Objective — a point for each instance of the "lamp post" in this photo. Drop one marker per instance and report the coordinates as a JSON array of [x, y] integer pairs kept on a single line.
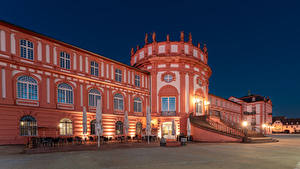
[[207, 104], [263, 128], [245, 125]]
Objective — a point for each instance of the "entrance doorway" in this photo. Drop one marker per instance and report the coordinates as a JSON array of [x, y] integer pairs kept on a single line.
[[167, 130]]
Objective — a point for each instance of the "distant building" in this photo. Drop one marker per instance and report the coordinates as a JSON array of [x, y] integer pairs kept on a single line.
[[257, 110], [282, 124]]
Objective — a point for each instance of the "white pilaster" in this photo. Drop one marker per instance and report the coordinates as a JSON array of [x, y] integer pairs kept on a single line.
[[13, 43], [187, 96], [80, 63], [47, 54], [48, 90], [81, 95], [54, 56], [112, 72], [128, 103], [107, 101], [102, 69], [39, 51], [2, 40], [74, 61], [3, 83], [107, 71], [86, 64]]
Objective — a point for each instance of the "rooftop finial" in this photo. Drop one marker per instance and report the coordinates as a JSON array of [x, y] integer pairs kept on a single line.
[[182, 36], [204, 48], [146, 39], [198, 45], [154, 37], [137, 47], [168, 38], [190, 37], [249, 92], [132, 52]]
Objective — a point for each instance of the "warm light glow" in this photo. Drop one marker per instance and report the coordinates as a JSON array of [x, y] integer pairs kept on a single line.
[[264, 126], [22, 123], [244, 123], [206, 103], [196, 100], [60, 125]]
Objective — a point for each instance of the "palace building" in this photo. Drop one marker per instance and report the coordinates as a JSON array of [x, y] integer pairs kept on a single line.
[[283, 124], [46, 83]]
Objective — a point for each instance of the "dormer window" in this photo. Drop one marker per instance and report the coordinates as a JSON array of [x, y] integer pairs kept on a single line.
[[162, 49]]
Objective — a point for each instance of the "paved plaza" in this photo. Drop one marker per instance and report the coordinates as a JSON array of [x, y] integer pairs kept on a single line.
[[282, 155]]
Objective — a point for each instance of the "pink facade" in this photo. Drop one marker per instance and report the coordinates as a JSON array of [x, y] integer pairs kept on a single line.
[[51, 82]]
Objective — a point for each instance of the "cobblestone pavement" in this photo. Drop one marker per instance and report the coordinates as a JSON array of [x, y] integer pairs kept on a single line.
[[282, 155]]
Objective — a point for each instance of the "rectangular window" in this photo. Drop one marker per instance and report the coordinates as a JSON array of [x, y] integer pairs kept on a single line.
[[65, 60], [118, 75], [94, 68], [26, 49], [198, 108], [168, 104], [137, 80]]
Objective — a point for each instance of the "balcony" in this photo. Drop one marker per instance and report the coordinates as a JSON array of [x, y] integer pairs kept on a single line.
[[249, 113], [168, 113]]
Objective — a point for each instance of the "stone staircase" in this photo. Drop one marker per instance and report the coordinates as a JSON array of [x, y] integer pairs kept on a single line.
[[204, 122], [261, 140]]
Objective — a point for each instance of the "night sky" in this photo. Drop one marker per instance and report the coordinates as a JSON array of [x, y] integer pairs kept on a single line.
[[252, 45]]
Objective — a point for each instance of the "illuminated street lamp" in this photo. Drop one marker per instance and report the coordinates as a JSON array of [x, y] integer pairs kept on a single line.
[[245, 124], [263, 128], [206, 104]]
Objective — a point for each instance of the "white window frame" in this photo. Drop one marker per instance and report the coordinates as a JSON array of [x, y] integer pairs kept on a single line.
[[118, 75], [118, 102], [92, 96], [168, 101], [94, 68], [65, 60], [68, 94], [137, 80], [65, 127], [137, 104], [26, 49], [24, 85]]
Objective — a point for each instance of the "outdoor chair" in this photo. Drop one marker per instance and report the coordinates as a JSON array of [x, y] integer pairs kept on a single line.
[[70, 140], [91, 139], [56, 142]]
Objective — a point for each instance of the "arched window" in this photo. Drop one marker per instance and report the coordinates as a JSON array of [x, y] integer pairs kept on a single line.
[[119, 128], [65, 94], [28, 126], [93, 127], [26, 49], [94, 95], [118, 102], [65, 127], [137, 105], [27, 88], [139, 128]]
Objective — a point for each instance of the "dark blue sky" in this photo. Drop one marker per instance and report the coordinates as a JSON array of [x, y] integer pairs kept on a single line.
[[252, 45]]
